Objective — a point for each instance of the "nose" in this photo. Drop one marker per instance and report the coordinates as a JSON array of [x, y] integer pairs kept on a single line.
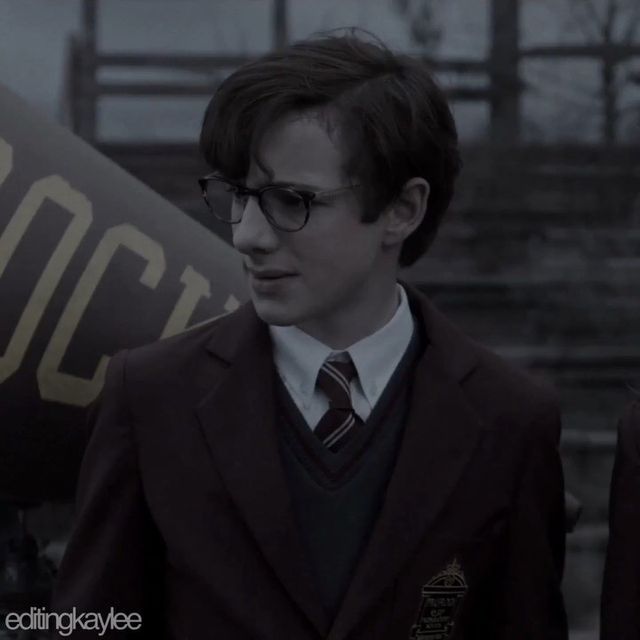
[[253, 233]]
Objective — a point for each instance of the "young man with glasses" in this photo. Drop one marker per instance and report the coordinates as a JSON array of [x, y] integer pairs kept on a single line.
[[334, 459]]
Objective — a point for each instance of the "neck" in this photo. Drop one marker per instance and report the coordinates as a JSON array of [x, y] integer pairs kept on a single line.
[[353, 324]]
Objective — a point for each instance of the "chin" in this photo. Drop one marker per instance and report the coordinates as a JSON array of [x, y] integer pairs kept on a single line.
[[276, 314]]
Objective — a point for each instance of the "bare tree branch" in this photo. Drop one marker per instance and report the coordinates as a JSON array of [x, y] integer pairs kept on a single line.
[[421, 21], [597, 20], [609, 21], [633, 24], [629, 108], [401, 5], [552, 84], [611, 28], [588, 29]]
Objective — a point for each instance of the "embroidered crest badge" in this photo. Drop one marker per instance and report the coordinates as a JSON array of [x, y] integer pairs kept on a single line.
[[441, 597]]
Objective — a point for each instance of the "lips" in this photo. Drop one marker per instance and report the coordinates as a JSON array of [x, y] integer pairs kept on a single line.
[[268, 282], [269, 274]]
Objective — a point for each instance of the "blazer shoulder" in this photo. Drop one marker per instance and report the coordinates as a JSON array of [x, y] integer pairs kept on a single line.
[[174, 354], [631, 417], [512, 397], [517, 380], [485, 375]]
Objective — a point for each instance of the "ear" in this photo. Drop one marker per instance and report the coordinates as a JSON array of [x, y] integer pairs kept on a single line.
[[407, 211]]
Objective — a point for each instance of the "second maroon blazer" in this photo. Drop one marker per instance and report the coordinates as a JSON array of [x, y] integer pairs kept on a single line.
[[621, 585]]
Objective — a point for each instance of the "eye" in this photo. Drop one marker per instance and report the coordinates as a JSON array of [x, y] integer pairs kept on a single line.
[[287, 198], [239, 193]]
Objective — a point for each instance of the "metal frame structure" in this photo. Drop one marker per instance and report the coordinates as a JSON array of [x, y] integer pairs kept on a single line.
[[502, 90]]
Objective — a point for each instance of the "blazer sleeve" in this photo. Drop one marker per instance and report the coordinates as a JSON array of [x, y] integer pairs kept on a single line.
[[531, 599], [113, 560], [621, 584]]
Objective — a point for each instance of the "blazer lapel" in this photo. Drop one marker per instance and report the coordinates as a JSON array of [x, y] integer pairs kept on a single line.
[[238, 420], [441, 434]]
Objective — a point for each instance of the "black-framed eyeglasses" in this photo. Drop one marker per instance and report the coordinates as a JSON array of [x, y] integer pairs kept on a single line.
[[284, 207]]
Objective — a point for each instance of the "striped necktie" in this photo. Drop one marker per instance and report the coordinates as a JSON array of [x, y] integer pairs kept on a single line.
[[339, 423]]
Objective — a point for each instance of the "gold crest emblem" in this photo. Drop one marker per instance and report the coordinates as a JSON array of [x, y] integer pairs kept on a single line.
[[441, 597]]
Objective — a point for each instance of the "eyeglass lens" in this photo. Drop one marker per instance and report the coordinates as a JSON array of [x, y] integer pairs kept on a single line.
[[283, 207]]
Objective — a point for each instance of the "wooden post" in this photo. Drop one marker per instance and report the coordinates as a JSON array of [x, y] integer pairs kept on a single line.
[[280, 26], [88, 79], [504, 76], [608, 75]]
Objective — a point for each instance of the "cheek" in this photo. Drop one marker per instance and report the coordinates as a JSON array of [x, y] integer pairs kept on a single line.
[[337, 267], [314, 252], [335, 252]]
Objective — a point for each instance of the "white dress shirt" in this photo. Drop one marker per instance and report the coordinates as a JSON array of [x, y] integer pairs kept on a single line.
[[298, 358]]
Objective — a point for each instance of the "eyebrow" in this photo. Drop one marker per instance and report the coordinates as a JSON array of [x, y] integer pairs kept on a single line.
[[293, 184], [269, 172], [297, 185]]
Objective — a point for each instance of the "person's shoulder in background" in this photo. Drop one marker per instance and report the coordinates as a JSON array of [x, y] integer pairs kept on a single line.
[[629, 430], [621, 583]]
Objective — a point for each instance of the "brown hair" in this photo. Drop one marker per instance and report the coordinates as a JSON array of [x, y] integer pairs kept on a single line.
[[394, 120]]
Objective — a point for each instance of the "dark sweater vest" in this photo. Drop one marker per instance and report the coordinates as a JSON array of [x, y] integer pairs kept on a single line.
[[337, 496]]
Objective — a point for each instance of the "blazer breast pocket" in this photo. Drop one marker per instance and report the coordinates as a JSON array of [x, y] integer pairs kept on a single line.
[[446, 576]]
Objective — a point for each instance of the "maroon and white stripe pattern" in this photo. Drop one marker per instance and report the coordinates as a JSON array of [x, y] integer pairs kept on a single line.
[[338, 434], [336, 425]]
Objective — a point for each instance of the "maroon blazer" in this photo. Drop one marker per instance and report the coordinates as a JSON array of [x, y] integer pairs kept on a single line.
[[621, 585], [183, 511]]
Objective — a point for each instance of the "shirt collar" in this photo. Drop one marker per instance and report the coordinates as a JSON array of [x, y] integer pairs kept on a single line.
[[377, 355], [298, 356]]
